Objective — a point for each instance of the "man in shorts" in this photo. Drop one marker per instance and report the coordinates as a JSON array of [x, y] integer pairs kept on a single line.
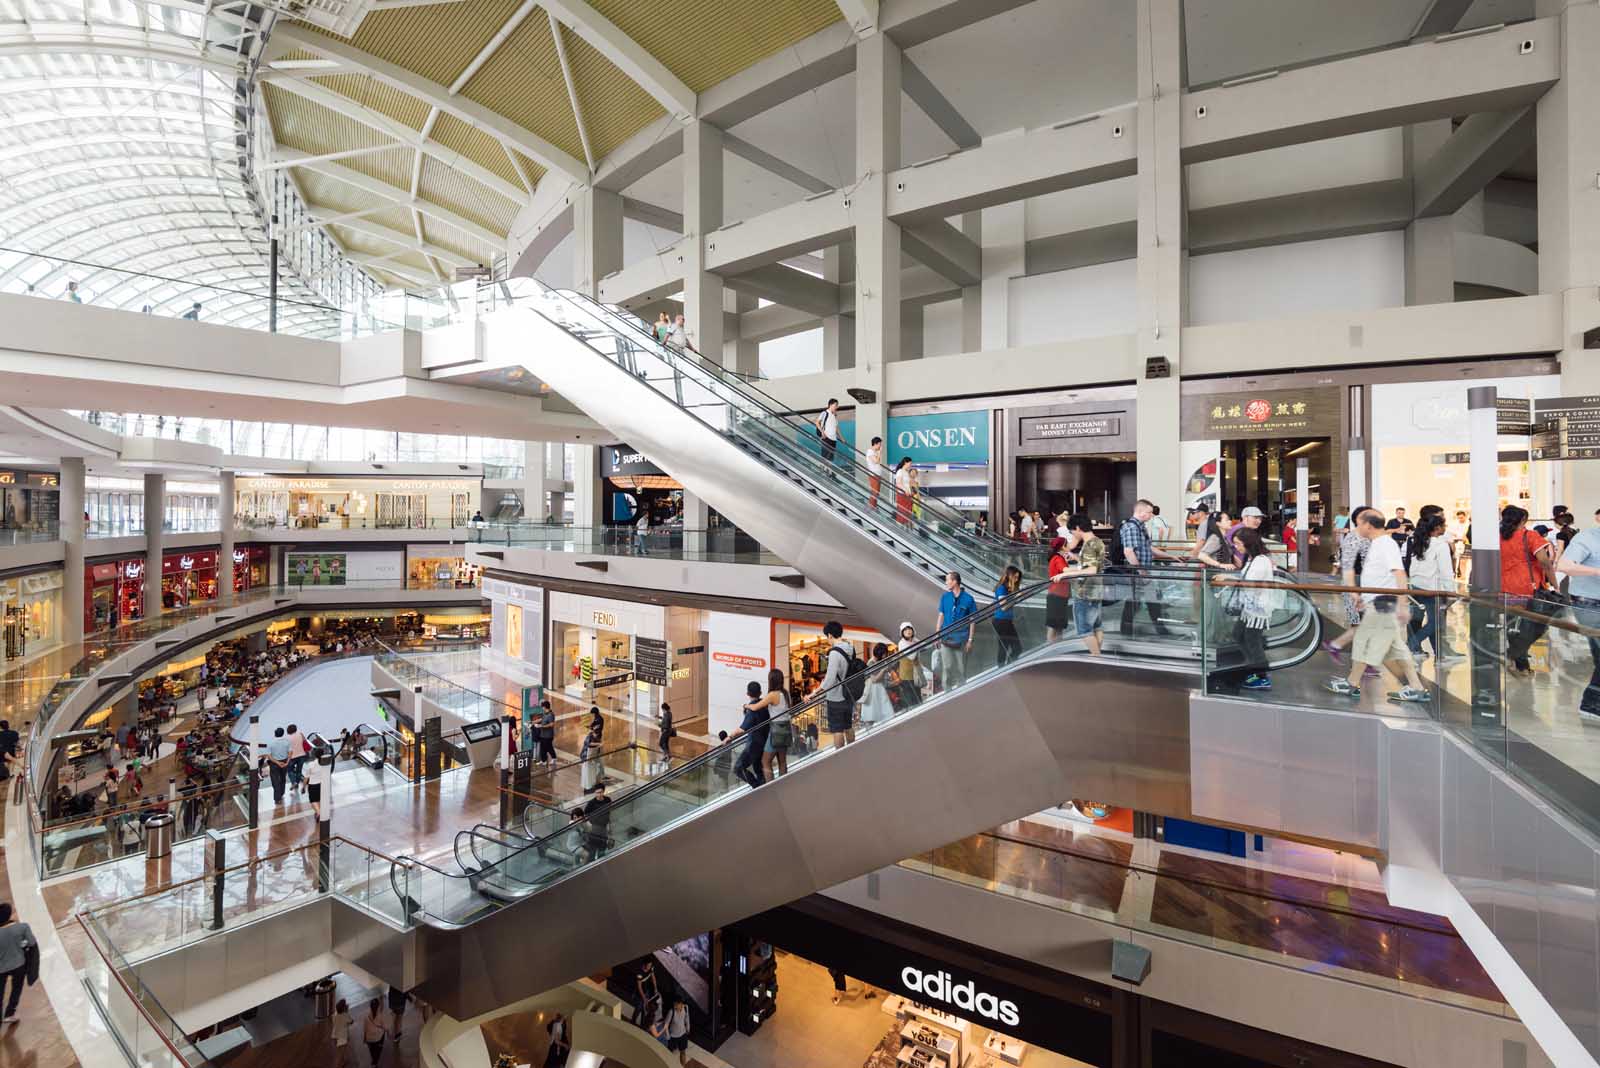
[[1380, 637]]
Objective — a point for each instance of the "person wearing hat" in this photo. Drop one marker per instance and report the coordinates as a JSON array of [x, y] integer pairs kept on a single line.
[[1249, 519]]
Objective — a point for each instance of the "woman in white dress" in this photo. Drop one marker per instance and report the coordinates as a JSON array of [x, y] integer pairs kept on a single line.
[[875, 704]]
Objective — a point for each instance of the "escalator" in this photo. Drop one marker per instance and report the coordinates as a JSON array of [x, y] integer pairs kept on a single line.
[[536, 905], [753, 461]]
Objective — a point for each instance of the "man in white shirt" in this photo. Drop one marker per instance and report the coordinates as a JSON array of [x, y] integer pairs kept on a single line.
[[1029, 527], [828, 429], [678, 336], [1379, 637]]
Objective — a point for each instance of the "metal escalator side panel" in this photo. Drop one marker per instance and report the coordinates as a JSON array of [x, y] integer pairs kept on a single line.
[[879, 584], [1020, 740]]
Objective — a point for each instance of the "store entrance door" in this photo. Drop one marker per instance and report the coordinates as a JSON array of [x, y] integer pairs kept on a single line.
[[1262, 473], [1103, 487]]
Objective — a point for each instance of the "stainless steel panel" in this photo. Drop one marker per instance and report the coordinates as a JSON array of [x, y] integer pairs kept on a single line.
[[1411, 785], [1236, 761], [1569, 930], [1514, 832]]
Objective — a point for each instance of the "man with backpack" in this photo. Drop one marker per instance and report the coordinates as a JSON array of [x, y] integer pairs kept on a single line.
[[955, 605], [843, 685]]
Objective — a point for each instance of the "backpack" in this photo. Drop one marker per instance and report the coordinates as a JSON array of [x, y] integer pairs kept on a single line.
[[855, 680]]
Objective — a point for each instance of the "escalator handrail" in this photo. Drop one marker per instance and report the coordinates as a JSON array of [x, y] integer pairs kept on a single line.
[[986, 539], [715, 378], [723, 751]]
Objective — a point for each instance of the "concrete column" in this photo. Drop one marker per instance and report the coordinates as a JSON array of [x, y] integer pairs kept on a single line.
[[72, 535], [1569, 213], [741, 355], [972, 296], [535, 490], [877, 239], [155, 506], [702, 213], [1163, 262], [696, 517], [1003, 241], [597, 233], [225, 539], [911, 339], [587, 505], [1430, 243], [555, 477], [838, 331]]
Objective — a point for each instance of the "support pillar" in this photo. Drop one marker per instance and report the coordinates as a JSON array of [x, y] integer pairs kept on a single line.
[[597, 230], [741, 355], [1004, 247], [535, 490], [587, 493], [1569, 213], [702, 213], [877, 238], [911, 337], [1163, 261], [696, 517], [72, 535], [1430, 243], [155, 507], [1485, 621], [972, 296], [225, 561], [838, 331]]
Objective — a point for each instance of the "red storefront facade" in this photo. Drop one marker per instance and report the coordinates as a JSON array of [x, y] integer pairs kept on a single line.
[[113, 591]]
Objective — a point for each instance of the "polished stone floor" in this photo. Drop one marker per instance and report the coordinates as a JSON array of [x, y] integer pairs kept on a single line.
[[36, 1039]]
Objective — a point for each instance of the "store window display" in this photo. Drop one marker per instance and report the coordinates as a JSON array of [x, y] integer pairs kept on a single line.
[[802, 650]]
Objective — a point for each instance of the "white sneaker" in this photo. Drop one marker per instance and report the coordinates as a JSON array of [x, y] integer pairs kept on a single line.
[[1407, 694]]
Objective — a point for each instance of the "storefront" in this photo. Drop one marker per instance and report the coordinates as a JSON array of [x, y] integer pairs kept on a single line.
[[188, 577], [398, 503], [634, 484], [113, 590], [1242, 449], [615, 654], [800, 650], [1420, 447], [252, 566], [949, 450], [29, 500], [30, 613], [1072, 455], [440, 566]]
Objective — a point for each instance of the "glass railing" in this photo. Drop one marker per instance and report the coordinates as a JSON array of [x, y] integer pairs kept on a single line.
[[123, 528], [70, 842], [139, 1022], [962, 657], [98, 285], [346, 522], [667, 543], [1222, 909], [30, 533], [783, 439]]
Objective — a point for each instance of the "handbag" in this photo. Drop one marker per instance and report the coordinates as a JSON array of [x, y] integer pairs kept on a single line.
[[780, 734]]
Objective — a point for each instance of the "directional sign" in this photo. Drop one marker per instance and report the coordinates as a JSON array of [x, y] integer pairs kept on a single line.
[[1566, 428], [650, 660], [1513, 416]]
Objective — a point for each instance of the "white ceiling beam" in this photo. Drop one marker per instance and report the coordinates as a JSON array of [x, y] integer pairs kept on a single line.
[[627, 55], [493, 46], [382, 263], [572, 92], [278, 162], [318, 223], [87, 43], [862, 15], [403, 134], [290, 36], [401, 239], [383, 190]]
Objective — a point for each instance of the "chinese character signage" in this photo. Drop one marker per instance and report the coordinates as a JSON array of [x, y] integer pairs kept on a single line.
[[1306, 413]]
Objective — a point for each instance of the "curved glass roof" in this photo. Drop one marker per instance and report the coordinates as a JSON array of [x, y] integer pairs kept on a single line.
[[120, 162]]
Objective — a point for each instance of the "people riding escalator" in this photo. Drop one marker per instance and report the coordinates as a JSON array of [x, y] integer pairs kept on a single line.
[[1249, 608], [1138, 554], [1004, 619], [754, 726]]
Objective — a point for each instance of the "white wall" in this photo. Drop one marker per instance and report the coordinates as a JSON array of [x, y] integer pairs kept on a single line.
[[941, 329], [797, 354], [1339, 274], [1337, 161], [738, 649], [1067, 305]]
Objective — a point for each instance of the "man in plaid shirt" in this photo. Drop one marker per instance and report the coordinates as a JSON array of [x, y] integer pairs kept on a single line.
[[1139, 552]]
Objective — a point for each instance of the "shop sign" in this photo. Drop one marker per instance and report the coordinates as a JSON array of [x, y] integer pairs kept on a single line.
[[104, 573], [1055, 427], [965, 997], [623, 460], [50, 580], [739, 662], [650, 660], [1513, 416], [172, 565], [132, 570], [604, 619], [240, 556], [1268, 413], [616, 661], [943, 438], [1505, 456]]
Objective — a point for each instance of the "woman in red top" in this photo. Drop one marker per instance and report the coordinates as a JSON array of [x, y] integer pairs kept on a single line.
[[1058, 603], [1525, 570]]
